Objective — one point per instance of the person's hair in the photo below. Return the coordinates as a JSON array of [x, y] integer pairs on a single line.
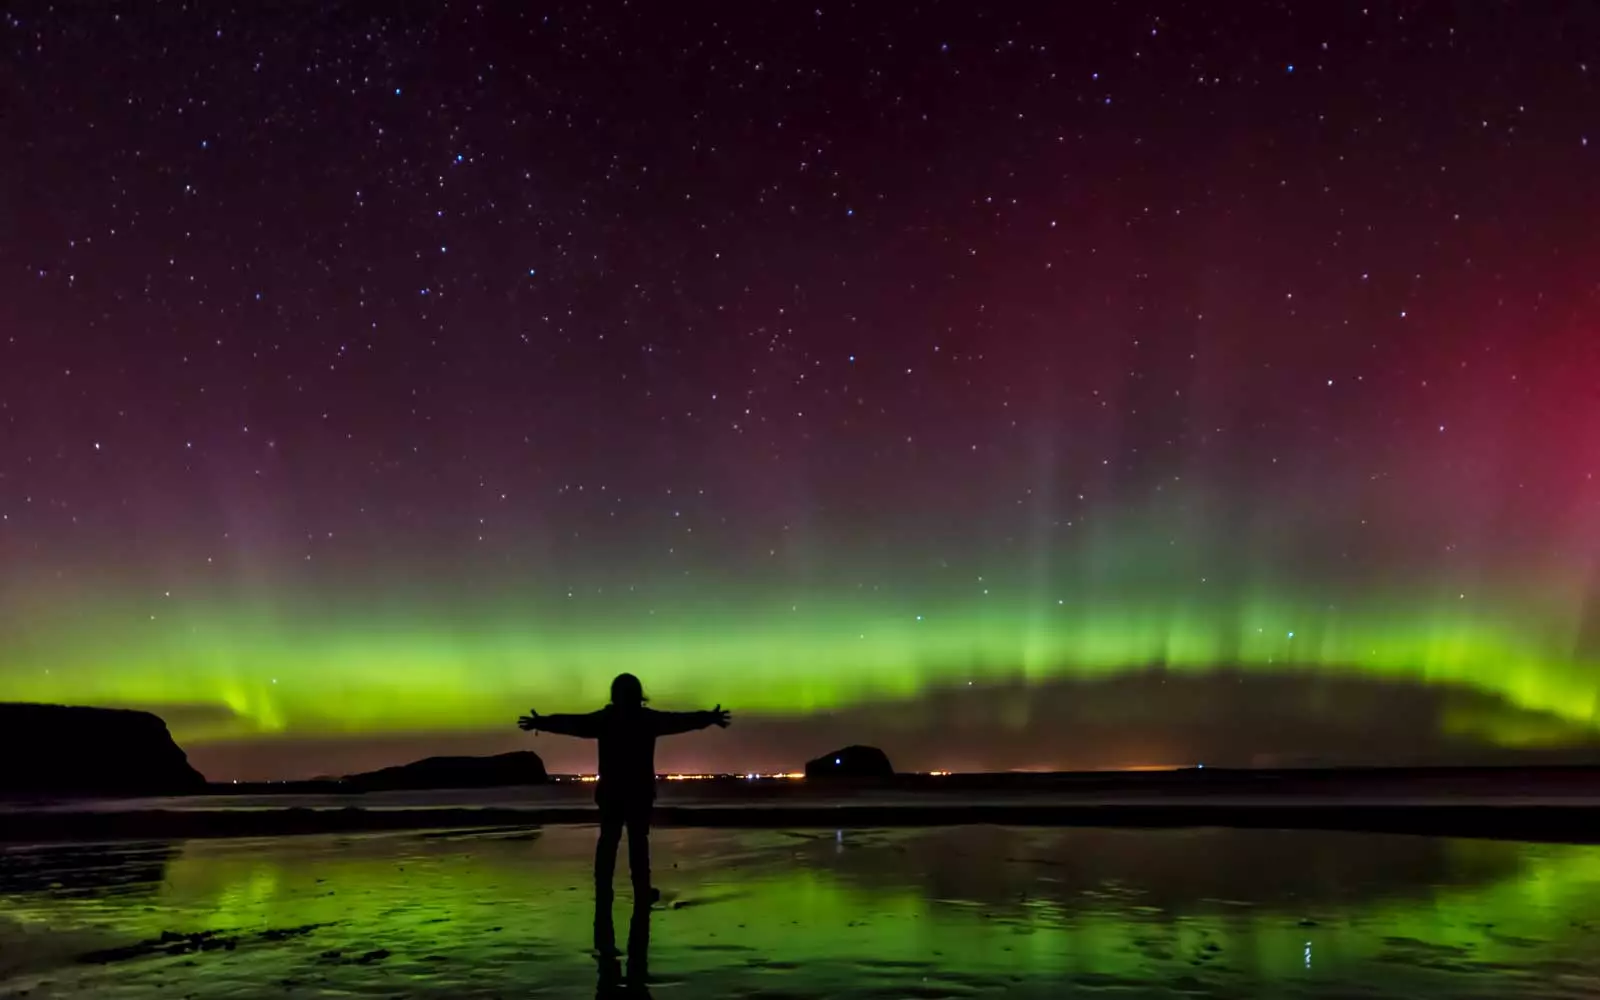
[[626, 690]]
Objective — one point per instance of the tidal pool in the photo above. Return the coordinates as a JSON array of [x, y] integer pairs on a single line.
[[956, 911]]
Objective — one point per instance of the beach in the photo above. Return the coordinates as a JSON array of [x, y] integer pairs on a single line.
[[972, 910]]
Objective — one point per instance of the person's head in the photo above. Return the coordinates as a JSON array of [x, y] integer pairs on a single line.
[[626, 691]]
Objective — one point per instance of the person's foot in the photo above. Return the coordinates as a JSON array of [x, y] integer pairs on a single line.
[[649, 895]]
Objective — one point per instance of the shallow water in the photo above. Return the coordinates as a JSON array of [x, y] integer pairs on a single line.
[[959, 912]]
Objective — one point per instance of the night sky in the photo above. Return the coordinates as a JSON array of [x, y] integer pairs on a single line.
[[1004, 385]]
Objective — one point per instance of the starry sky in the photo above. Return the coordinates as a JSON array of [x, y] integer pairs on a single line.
[[1004, 385]]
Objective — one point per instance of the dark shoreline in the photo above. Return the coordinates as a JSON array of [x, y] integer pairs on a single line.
[[1549, 804], [1547, 779], [1573, 824]]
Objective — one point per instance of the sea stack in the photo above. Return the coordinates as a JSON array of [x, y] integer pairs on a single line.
[[523, 767], [850, 762], [69, 750]]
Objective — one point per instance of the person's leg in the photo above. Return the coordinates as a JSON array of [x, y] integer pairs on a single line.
[[639, 854], [605, 933], [639, 945], [605, 853]]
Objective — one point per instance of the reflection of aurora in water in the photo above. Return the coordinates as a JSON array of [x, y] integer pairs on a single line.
[[830, 911]]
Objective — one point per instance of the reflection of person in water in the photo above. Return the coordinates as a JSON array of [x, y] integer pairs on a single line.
[[613, 983], [627, 732]]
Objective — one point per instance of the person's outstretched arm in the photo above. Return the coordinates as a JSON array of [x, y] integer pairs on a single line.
[[582, 726], [672, 723]]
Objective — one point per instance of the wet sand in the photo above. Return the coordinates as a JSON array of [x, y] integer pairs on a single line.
[[799, 913]]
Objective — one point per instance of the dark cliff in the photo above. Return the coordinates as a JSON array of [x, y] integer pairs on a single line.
[[68, 750]]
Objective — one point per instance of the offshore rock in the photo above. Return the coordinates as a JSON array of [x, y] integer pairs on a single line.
[[850, 762], [523, 767]]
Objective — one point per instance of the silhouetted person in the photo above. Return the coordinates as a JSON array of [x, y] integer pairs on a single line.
[[612, 982], [627, 732]]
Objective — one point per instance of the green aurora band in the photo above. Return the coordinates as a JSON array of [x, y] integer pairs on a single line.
[[331, 668]]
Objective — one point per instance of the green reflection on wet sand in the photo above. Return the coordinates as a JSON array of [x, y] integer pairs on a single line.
[[809, 913]]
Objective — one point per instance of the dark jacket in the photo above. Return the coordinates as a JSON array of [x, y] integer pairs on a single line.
[[627, 746]]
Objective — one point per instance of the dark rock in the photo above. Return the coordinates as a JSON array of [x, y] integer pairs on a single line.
[[169, 943], [68, 750], [520, 768], [285, 933], [851, 762]]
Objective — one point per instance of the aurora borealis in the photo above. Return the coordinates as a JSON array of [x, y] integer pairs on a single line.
[[1002, 387]]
